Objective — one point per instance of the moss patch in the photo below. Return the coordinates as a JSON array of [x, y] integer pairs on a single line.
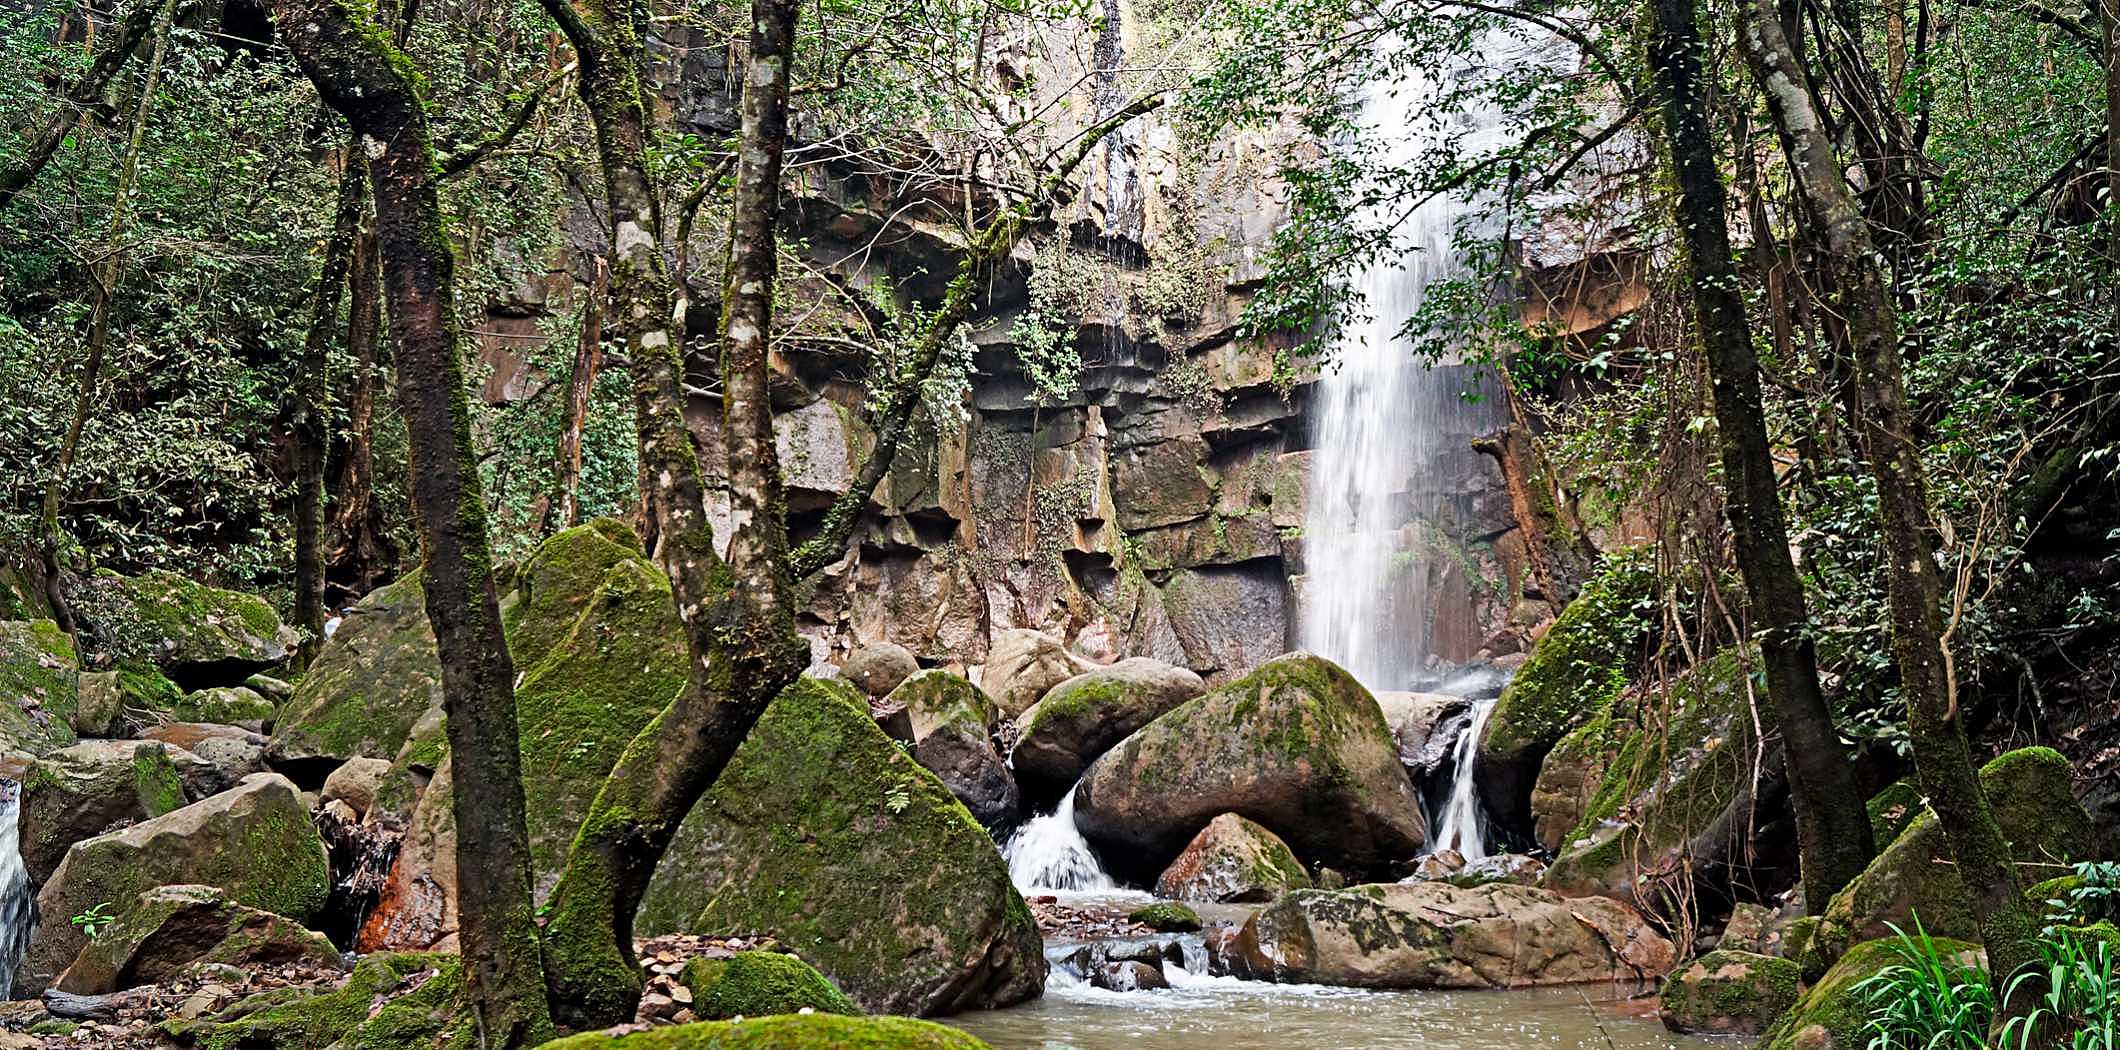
[[40, 686], [805, 1032], [1730, 991], [391, 1001], [1166, 917], [1831, 1013], [756, 984]]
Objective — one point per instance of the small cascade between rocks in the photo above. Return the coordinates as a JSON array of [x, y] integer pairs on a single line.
[[1048, 853], [18, 900], [1461, 826]]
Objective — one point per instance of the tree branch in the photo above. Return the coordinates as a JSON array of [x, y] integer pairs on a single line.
[[464, 158]]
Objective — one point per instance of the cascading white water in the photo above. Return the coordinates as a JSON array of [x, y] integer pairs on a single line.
[[1388, 425], [1049, 853], [18, 904], [1461, 826]]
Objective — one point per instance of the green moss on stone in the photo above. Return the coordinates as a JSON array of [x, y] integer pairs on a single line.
[[1166, 917], [1578, 666], [1892, 809], [1730, 991], [391, 1001], [40, 686], [756, 984], [1831, 1013], [803, 1032], [155, 777]]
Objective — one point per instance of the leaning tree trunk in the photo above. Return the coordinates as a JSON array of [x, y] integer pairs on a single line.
[[1833, 835], [367, 80], [1860, 294], [312, 414], [738, 622]]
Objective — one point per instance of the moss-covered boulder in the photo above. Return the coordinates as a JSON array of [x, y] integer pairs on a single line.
[[822, 834], [598, 652], [255, 843], [39, 686], [933, 698], [371, 681], [170, 928], [1674, 758], [800, 1032], [1165, 917], [228, 705], [1083, 717], [80, 792], [2030, 792], [1435, 935], [1232, 860], [391, 1001], [1831, 1014], [198, 635], [1575, 671], [1296, 745], [755, 984], [1892, 809], [1729, 991]]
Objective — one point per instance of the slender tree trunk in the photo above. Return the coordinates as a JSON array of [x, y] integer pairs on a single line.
[[312, 413], [739, 625], [361, 75], [363, 552], [85, 92], [1861, 295], [1833, 834], [565, 508]]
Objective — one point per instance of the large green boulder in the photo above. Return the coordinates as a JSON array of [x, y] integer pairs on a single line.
[[1831, 1013], [1575, 671], [255, 843], [370, 683], [79, 792], [824, 835], [391, 1001], [1672, 761], [756, 983], [800, 1032], [198, 635], [40, 686], [2030, 793], [1297, 745], [1728, 991], [598, 652], [953, 722], [171, 928], [1081, 718]]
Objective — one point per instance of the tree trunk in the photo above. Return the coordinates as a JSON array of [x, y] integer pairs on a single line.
[[739, 626], [1833, 834], [363, 552], [565, 508], [358, 73], [85, 92], [312, 412], [1860, 294]]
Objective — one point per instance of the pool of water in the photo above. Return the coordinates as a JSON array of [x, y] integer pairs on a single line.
[[1223, 1013]]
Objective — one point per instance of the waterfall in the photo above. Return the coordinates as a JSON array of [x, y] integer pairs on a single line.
[[1391, 432], [1049, 853], [1460, 826], [18, 900]]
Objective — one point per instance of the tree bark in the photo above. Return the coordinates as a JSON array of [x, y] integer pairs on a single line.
[[1833, 834], [363, 552], [581, 385], [737, 615], [312, 407], [85, 92], [1860, 293], [368, 81]]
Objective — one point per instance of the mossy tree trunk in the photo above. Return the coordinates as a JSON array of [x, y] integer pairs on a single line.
[[1833, 834], [1860, 294], [738, 620], [312, 404], [368, 81]]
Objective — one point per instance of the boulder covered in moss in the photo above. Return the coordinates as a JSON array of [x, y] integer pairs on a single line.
[[1165, 917], [170, 928], [952, 722], [391, 1001], [824, 835], [1296, 745], [198, 635], [2030, 792], [1831, 1014], [40, 686], [1232, 860], [1673, 760], [932, 698], [756, 984], [369, 684], [1022, 664], [80, 792], [598, 652], [799, 1032], [1730, 991], [1574, 672], [1435, 935], [1083, 717], [228, 705], [1892, 809], [255, 843]]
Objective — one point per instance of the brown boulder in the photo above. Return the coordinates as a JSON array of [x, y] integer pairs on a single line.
[[878, 668], [1081, 718], [1021, 665], [1232, 860]]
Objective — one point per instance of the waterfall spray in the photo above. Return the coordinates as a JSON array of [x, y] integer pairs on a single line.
[[1049, 853]]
